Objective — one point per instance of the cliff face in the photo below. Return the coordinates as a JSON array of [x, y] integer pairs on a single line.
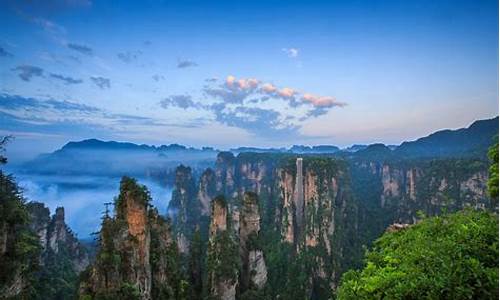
[[136, 248], [19, 246], [253, 271], [430, 187], [318, 218], [56, 237], [225, 174], [222, 254], [287, 215], [185, 208], [207, 190]]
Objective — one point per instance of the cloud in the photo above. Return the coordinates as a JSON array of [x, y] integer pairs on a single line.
[[49, 26], [291, 52], [22, 114], [262, 122], [236, 90], [26, 72], [211, 79], [268, 88], [16, 103], [5, 53], [319, 101], [181, 101], [101, 82], [158, 77], [186, 64], [66, 79], [243, 83], [129, 56], [83, 49]]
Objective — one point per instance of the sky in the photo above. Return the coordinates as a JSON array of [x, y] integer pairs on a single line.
[[243, 73]]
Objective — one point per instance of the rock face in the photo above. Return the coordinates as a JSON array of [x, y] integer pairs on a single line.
[[225, 174], [185, 208], [206, 190], [254, 271], [222, 254], [426, 186], [318, 210], [55, 236], [134, 250]]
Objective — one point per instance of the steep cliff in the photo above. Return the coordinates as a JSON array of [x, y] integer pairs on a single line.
[[137, 255], [63, 257], [253, 275], [222, 254], [317, 212], [185, 208], [319, 219], [225, 174], [19, 247]]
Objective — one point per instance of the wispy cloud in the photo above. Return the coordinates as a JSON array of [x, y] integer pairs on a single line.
[[83, 49], [291, 52], [66, 79], [129, 56], [5, 53], [181, 101], [259, 107], [27, 72], [262, 122], [101, 82], [158, 77], [237, 90], [182, 64]]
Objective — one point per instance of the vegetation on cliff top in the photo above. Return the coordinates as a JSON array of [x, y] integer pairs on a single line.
[[449, 257], [493, 180]]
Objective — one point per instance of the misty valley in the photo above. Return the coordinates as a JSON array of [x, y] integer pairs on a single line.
[[110, 220], [249, 150]]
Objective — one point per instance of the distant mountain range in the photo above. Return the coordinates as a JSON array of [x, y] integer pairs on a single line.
[[465, 141], [96, 157]]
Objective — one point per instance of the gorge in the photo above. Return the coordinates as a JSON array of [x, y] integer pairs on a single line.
[[256, 225]]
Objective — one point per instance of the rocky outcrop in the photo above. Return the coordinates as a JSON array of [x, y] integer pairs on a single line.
[[222, 253], [287, 211], [56, 238], [136, 247], [320, 210], [428, 186], [254, 270], [185, 208], [206, 190], [225, 174]]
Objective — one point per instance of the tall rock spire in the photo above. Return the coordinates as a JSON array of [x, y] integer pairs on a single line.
[[298, 198]]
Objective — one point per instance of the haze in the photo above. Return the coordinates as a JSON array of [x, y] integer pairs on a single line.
[[234, 73]]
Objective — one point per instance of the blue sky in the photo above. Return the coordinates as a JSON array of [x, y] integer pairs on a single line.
[[243, 73]]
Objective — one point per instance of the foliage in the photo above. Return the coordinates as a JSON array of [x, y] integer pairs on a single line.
[[196, 259], [20, 253], [449, 257], [493, 171], [130, 188]]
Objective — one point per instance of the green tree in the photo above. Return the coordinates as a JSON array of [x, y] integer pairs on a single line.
[[195, 265], [448, 257], [493, 179], [19, 247]]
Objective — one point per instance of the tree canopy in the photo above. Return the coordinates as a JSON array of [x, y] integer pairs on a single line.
[[449, 257]]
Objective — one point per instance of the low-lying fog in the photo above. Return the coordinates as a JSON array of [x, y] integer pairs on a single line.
[[83, 197]]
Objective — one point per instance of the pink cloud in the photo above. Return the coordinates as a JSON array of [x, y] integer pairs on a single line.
[[287, 92], [268, 88], [320, 101], [251, 84]]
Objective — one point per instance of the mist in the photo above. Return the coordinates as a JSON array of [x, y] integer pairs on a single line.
[[83, 197]]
